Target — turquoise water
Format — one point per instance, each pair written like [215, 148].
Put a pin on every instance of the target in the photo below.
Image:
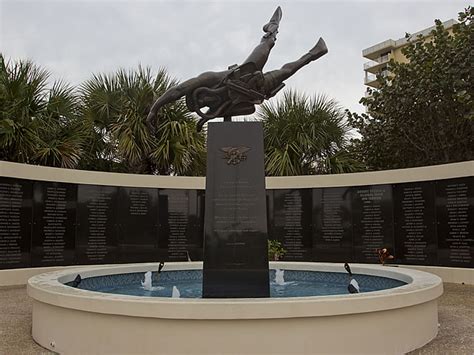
[189, 284]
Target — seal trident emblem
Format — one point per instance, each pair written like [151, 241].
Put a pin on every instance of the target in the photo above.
[235, 155]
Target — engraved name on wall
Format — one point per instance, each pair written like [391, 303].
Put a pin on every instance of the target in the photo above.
[181, 224]
[415, 223]
[333, 224]
[455, 215]
[292, 222]
[54, 218]
[372, 219]
[97, 224]
[15, 222]
[138, 224]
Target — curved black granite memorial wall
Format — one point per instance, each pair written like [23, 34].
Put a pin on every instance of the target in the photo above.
[50, 223]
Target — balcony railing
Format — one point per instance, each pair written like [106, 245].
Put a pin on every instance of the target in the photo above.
[369, 78]
[380, 60]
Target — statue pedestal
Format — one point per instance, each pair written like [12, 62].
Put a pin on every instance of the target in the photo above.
[235, 227]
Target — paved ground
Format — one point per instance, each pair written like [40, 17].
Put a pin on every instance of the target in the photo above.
[15, 323]
[456, 318]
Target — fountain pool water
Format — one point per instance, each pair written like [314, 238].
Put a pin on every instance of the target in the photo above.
[78, 320]
[298, 283]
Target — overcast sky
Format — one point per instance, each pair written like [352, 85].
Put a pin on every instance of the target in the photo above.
[74, 38]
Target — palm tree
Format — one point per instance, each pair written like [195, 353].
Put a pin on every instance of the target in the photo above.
[37, 125]
[115, 107]
[305, 136]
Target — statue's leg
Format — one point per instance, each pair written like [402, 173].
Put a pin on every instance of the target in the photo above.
[278, 76]
[271, 28]
[260, 54]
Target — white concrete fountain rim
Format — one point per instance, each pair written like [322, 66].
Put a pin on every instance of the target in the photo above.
[49, 288]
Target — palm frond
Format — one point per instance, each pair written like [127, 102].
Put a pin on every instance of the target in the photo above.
[301, 132]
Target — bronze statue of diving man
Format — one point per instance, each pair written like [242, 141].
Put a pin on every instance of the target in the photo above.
[236, 91]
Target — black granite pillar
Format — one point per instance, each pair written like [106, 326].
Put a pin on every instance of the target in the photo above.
[235, 229]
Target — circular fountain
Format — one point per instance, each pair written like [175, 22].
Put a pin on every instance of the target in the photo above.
[74, 320]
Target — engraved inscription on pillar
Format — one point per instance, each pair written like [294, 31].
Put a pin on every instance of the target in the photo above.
[97, 209]
[233, 200]
[11, 197]
[54, 224]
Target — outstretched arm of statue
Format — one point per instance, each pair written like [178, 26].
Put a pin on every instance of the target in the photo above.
[169, 96]
[207, 79]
